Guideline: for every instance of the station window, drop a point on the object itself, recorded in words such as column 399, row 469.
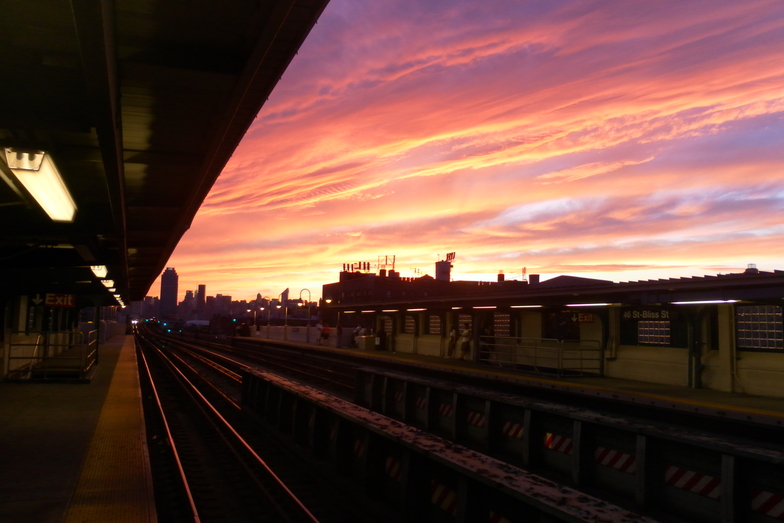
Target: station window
column 386, row 323
column 501, row 324
column 434, row 324
column 409, row 326
column 759, row 327
column 654, row 331
column 463, row 319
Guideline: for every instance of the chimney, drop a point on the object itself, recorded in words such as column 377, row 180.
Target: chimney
column 500, row 276
column 533, row 279
column 382, row 273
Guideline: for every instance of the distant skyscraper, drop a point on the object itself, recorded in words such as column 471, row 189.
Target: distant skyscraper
column 169, row 280
column 201, row 297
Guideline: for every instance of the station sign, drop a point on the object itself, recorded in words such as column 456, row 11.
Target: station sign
column 55, row 300
column 646, row 314
column 585, row 317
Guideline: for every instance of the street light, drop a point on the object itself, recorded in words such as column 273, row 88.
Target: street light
column 285, row 316
column 254, row 321
column 328, row 301
column 307, row 326
column 269, row 312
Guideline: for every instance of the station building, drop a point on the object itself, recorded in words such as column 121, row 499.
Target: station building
column 720, row 332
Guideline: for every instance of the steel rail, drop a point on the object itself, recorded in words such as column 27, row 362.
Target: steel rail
column 240, row 439
column 170, row 437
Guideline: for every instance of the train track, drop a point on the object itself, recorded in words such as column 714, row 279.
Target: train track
column 211, row 462
column 671, row 434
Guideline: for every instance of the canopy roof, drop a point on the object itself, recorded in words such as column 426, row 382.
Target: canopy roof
column 140, row 104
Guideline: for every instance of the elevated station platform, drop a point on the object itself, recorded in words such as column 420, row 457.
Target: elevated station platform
column 76, row 452
column 761, row 410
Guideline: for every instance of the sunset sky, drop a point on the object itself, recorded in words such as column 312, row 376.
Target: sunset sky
column 617, row 140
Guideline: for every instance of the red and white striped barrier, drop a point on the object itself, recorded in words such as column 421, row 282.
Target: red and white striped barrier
column 445, row 410
column 421, row 403
column 513, row 430
column 443, row 497
column 477, row 419
column 558, row 443
column 359, row 448
column 393, row 468
column 615, row 459
column 497, row 518
column 399, row 396
column 692, row 481
column 768, row 503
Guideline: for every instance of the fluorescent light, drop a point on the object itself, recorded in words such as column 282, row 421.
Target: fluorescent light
column 703, row 302
column 588, row 304
column 368, row 312
column 526, row 306
column 486, row 307
column 416, row 310
column 349, row 312
column 112, row 289
column 100, row 271
column 39, row 175
column 390, row 310
column 108, row 283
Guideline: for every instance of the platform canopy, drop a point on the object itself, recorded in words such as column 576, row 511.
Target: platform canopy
column 138, row 104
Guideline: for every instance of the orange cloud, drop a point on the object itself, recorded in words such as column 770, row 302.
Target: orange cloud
column 579, row 137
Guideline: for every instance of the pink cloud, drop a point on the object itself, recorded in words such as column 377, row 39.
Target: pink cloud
column 648, row 136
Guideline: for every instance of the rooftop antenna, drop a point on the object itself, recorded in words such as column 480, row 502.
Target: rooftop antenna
column 386, row 262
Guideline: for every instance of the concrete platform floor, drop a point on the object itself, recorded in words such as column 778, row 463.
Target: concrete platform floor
column 49, row 436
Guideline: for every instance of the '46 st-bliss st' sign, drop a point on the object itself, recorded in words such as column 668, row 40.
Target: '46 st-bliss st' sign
column 646, row 315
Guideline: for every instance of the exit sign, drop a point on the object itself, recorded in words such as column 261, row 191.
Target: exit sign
column 60, row 300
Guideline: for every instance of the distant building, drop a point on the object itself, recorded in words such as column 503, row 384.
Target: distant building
column 201, row 297
column 150, row 307
column 723, row 332
column 168, row 303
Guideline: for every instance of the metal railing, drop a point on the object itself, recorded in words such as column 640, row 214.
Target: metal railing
column 543, row 355
column 53, row 355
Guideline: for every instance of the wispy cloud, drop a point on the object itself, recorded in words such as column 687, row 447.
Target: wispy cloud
column 581, row 136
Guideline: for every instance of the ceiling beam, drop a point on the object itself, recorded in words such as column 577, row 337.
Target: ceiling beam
column 95, row 29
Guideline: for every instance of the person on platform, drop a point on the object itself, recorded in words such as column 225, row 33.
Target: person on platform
column 319, row 332
column 325, row 334
column 450, row 350
column 357, row 333
column 465, row 342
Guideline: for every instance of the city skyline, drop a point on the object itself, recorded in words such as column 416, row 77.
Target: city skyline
column 615, row 141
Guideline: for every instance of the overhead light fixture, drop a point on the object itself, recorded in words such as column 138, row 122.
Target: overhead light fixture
column 526, row 306
column 416, row 310
column 108, row 283
column 389, row 310
column 588, row 304
column 368, row 312
column 100, row 271
column 112, row 289
column 485, row 307
column 703, row 302
column 36, row 171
